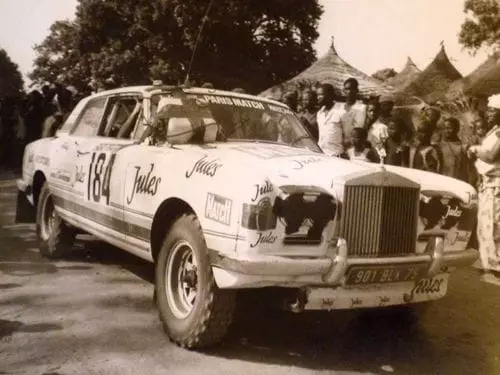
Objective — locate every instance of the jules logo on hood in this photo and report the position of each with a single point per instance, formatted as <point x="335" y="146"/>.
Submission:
<point x="301" y="163"/>
<point x="204" y="166"/>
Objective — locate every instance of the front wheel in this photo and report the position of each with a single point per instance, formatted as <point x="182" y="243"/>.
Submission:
<point x="55" y="236"/>
<point x="195" y="313"/>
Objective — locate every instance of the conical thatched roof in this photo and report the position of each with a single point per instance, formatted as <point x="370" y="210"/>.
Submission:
<point x="406" y="76"/>
<point x="331" y="68"/>
<point x="482" y="82"/>
<point x="435" y="80"/>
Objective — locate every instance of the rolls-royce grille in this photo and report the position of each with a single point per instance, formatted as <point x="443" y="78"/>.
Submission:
<point x="379" y="221"/>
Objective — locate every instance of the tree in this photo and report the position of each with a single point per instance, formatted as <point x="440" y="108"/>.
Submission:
<point x="11" y="80"/>
<point x="482" y="25"/>
<point x="384" y="74"/>
<point x="249" y="43"/>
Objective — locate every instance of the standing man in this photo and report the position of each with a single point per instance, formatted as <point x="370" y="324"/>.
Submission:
<point x="330" y="129"/>
<point x="353" y="111"/>
<point x="309" y="112"/>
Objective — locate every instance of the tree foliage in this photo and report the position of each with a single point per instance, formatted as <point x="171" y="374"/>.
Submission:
<point x="245" y="43"/>
<point x="482" y="25"/>
<point x="384" y="74"/>
<point x="11" y="80"/>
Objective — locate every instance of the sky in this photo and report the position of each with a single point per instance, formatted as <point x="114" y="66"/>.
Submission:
<point x="369" y="34"/>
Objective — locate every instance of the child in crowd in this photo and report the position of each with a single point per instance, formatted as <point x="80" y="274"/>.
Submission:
<point x="396" y="148"/>
<point x="423" y="155"/>
<point x="377" y="131"/>
<point x="453" y="153"/>
<point x="359" y="149"/>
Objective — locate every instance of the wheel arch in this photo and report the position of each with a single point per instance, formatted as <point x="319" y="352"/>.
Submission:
<point x="166" y="214"/>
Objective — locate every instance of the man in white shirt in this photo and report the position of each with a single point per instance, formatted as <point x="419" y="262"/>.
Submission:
<point x="353" y="111"/>
<point x="330" y="129"/>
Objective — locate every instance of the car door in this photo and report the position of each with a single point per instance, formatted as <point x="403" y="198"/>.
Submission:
<point x="65" y="176"/>
<point x="100" y="169"/>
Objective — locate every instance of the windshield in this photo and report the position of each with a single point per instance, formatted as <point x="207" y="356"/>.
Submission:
<point x="233" y="118"/>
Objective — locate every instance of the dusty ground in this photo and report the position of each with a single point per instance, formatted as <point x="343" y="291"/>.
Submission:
<point x="93" y="314"/>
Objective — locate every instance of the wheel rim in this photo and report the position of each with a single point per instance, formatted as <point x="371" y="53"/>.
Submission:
<point x="181" y="275"/>
<point x="48" y="218"/>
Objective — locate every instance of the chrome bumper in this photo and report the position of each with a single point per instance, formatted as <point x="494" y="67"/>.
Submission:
<point x="334" y="266"/>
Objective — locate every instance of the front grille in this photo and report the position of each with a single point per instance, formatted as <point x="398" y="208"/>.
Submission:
<point x="379" y="221"/>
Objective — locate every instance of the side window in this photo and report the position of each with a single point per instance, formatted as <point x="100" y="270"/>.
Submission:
<point x="121" y="116"/>
<point x="88" y="123"/>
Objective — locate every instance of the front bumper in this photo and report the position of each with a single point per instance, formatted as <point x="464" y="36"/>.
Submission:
<point x="265" y="270"/>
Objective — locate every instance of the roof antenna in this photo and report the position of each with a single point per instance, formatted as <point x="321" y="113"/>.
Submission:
<point x="205" y="18"/>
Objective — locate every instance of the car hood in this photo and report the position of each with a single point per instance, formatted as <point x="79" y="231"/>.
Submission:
<point x="285" y="165"/>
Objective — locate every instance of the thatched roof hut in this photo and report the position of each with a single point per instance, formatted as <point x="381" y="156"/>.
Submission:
<point x="484" y="81"/>
<point x="434" y="81"/>
<point x="331" y="68"/>
<point x="406" y="76"/>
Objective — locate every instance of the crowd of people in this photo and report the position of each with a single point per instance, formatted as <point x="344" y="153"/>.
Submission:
<point x="26" y="119"/>
<point x="369" y="130"/>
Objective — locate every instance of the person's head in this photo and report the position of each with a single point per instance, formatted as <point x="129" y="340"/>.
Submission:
<point x="309" y="100"/>
<point x="239" y="90"/>
<point x="326" y="95"/>
<point x="451" y="129"/>
<point x="479" y="125"/>
<point x="358" y="138"/>
<point x="395" y="128"/>
<point x="291" y="99"/>
<point x="386" y="105"/>
<point x="432" y="115"/>
<point x="372" y="111"/>
<point x="207" y="85"/>
<point x="351" y="89"/>
<point x="492" y="117"/>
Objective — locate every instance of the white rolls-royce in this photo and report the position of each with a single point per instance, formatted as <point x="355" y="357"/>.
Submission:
<point x="225" y="191"/>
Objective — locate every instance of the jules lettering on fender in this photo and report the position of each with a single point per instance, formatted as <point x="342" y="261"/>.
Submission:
<point x="144" y="184"/>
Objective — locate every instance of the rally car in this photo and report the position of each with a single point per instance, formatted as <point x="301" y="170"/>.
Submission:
<point x="225" y="191"/>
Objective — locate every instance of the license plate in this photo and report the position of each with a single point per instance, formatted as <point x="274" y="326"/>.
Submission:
<point x="363" y="275"/>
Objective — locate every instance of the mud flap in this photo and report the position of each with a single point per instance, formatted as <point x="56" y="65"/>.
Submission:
<point x="25" y="212"/>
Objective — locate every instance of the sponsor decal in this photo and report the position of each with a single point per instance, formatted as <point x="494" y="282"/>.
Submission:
<point x="258" y="216"/>
<point x="237" y="102"/>
<point x="299" y="164"/>
<point x="61" y="175"/>
<point x="205" y="167"/>
<point x="383" y="300"/>
<point x="30" y="158"/>
<point x="262" y="190"/>
<point x="79" y="174"/>
<point x="356" y="302"/>
<point x="453" y="212"/>
<point x="144" y="184"/>
<point x="264" y="238"/>
<point x="218" y="208"/>
<point x="426" y="286"/>
<point x="327" y="302"/>
<point x="80" y="153"/>
<point x="42" y="160"/>
<point x="113" y="147"/>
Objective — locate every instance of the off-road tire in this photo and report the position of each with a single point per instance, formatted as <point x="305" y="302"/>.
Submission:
<point x="212" y="310"/>
<point x="61" y="237"/>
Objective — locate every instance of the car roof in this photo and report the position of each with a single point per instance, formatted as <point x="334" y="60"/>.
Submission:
<point x="148" y="90"/>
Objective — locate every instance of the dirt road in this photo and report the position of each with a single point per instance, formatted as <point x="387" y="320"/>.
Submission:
<point x="93" y="314"/>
